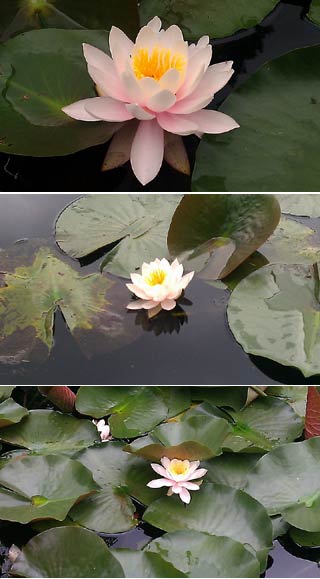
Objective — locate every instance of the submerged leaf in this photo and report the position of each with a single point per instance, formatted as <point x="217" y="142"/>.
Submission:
<point x="34" y="283"/>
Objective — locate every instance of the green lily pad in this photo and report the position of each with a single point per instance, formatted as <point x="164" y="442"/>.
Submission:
<point x="47" y="432"/>
<point x="265" y="423"/>
<point x="145" y="564"/>
<point x="34" y="284"/>
<point x="218" y="19"/>
<point x="298" y="502"/>
<point x="292" y="243"/>
<point x="67" y="552"/>
<point x="234" y="396"/>
<point x="139" y="223"/>
<point x="230" y="469"/>
<point x="17" y="17"/>
<point x="314" y="12"/>
<point x="201" y="555"/>
<point x="246" y="220"/>
<point x="303" y="538"/>
<point x="42" y="71"/>
<point x="296" y="396"/>
<point x="134" y="410"/>
<point x="275" y="313"/>
<point x="216" y="510"/>
<point x="42" y="487"/>
<point x="5" y="392"/>
<point x="305" y="205"/>
<point x="111" y="509"/>
<point x="275" y="148"/>
<point x="11" y="412"/>
<point x="194" y="438"/>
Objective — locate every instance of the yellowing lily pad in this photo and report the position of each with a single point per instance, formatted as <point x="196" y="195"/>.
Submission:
<point x="34" y="283"/>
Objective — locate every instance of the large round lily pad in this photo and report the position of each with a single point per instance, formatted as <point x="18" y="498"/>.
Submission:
<point x="275" y="148"/>
<point x="305" y="205"/>
<point x="314" y="12"/>
<point x="42" y="71"/>
<point x="286" y="481"/>
<point x="11" y="412"/>
<point x="138" y="223"/>
<point x="201" y="555"/>
<point x="42" y="487"/>
<point x="245" y="220"/>
<point x="67" y="552"/>
<point x="217" y="19"/>
<point x="234" y="396"/>
<point x="216" y="510"/>
<point x="275" y="313"/>
<point x="47" y="432"/>
<point x="145" y="564"/>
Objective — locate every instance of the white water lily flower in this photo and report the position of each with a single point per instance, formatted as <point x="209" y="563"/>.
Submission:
<point x="177" y="475"/>
<point x="162" y="82"/>
<point x="103" y="429"/>
<point x="159" y="285"/>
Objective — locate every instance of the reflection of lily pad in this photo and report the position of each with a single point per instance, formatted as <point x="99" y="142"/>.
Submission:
<point x="48" y="431"/>
<point x="245" y="220"/>
<point x="276" y="146"/>
<point x="216" y="510"/>
<point x="34" y="284"/>
<point x="217" y="19"/>
<point x="42" y="487"/>
<point x="275" y="313"/>
<point x="305" y="205"/>
<point x="299" y="501"/>
<point x="139" y="223"/>
<point x="205" y="556"/>
<point x="17" y="17"/>
<point x="67" y="552"/>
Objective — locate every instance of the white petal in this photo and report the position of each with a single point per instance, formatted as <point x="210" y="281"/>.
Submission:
<point x="120" y="47"/>
<point x="213" y="122"/>
<point x="139" y="113"/>
<point x="171" y="80"/>
<point x="168" y="304"/>
<point x="79" y="112"/>
<point x="148" y="86"/>
<point x="155" y="24"/>
<point x="108" y="109"/>
<point x="186" y="279"/>
<point x="132" y="87"/>
<point x="137" y="291"/>
<point x="147" y="151"/>
<point x="159" y="469"/>
<point x="159" y="482"/>
<point x="177" y="124"/>
<point x="189" y="485"/>
<point x="161" y="101"/>
<point x="136" y="305"/>
<point x="198" y="474"/>
<point x="185" y="496"/>
<point x="197" y="66"/>
<point x="165" y="461"/>
<point x="147" y="38"/>
<point x="107" y="84"/>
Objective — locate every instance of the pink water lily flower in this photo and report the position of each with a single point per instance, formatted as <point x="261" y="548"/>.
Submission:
<point x="103" y="429"/>
<point x="158" y="286"/>
<point x="162" y="82"/>
<point x="177" y="475"/>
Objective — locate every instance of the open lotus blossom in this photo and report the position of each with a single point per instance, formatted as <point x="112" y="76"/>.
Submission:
<point x="160" y="81"/>
<point x="158" y="286"/>
<point x="177" y="475"/>
<point x="103" y="429"/>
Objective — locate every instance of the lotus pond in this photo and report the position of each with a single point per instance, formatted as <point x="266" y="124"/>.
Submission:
<point x="263" y="77"/>
<point x="81" y="493"/>
<point x="253" y="300"/>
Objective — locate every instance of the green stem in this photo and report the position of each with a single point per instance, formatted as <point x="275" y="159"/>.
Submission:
<point x="258" y="390"/>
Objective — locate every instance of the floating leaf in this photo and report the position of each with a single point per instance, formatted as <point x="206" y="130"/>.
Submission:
<point x="230" y="469"/>
<point x="275" y="148"/>
<point x="42" y="487"/>
<point x="197" y="18"/>
<point x="111" y="509"/>
<point x="194" y="438"/>
<point x="304" y="205"/>
<point x="303" y="538"/>
<point x="297" y="464"/>
<point x="66" y="552"/>
<point x="216" y="510"/>
<point x="234" y="396"/>
<point x="296" y="396"/>
<point x="134" y="410"/>
<point x="34" y="283"/>
<point x="5" y="392"/>
<point x="11" y="412"/>
<point x="265" y="423"/>
<point x="17" y="17"/>
<point x="42" y="71"/>
<point x="275" y="313"/>
<point x="47" y="432"/>
<point x="145" y="564"/>
<point x="246" y="220"/>
<point x="292" y="243"/>
<point x="138" y="223"/>
<point x="314" y="12"/>
<point x="201" y="555"/>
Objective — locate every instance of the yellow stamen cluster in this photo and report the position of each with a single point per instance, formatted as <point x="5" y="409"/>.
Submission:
<point x="179" y="467"/>
<point x="156" y="277"/>
<point x="156" y="63"/>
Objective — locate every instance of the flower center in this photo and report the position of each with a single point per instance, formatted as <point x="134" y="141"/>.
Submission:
<point x="156" y="277"/>
<point x="178" y="467"/>
<point x="156" y="63"/>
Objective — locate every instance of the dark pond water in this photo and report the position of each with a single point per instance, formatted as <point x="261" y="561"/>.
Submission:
<point x="197" y="349"/>
<point x="282" y="31"/>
